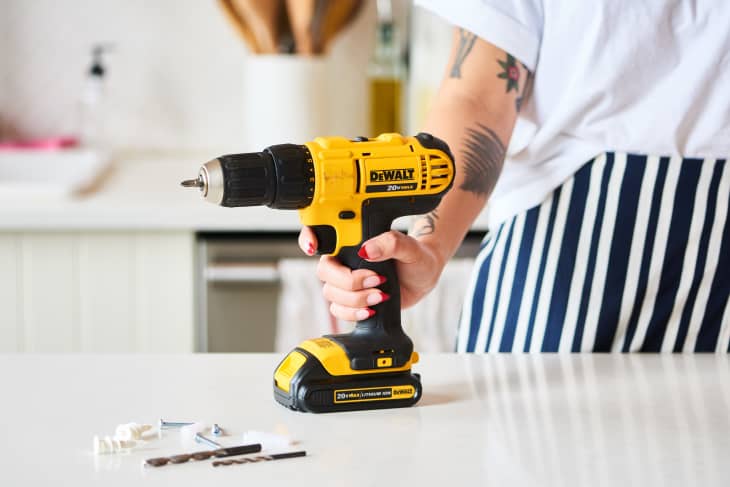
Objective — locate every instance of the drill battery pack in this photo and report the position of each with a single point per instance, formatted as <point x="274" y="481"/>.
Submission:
<point x="303" y="382"/>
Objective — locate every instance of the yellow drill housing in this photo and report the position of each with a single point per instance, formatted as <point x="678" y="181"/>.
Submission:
<point x="349" y="173"/>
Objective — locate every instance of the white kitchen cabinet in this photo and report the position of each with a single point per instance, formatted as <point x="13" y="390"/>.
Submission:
<point x="97" y="291"/>
<point x="49" y="292"/>
<point x="9" y="294"/>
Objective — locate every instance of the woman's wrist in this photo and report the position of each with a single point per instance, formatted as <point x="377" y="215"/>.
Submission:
<point x="425" y="232"/>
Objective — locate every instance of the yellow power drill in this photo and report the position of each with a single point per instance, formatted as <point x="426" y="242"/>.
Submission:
<point x="347" y="191"/>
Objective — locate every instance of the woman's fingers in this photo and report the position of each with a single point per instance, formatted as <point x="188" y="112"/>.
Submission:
<point x="391" y="245"/>
<point x="331" y="271"/>
<point x="307" y="241"/>
<point x="350" y="314"/>
<point x="354" y="299"/>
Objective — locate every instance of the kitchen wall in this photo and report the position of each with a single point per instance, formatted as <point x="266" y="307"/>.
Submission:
<point x="4" y="75"/>
<point x="176" y="76"/>
<point x="430" y="45"/>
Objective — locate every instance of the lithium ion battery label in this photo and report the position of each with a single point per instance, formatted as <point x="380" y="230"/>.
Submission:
<point x="374" y="394"/>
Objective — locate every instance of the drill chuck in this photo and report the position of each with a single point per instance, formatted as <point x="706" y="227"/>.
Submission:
<point x="281" y="177"/>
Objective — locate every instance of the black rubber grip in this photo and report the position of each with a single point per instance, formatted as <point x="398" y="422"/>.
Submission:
<point x="382" y="331"/>
<point x="248" y="179"/>
<point x="294" y="170"/>
<point x="281" y="177"/>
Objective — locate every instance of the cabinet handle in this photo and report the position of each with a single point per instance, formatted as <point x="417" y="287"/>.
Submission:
<point x="238" y="272"/>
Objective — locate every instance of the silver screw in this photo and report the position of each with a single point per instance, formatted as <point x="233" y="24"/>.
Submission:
<point x="216" y="430"/>
<point x="202" y="439"/>
<point x="166" y="425"/>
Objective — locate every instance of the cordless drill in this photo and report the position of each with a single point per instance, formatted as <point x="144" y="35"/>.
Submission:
<point x="347" y="191"/>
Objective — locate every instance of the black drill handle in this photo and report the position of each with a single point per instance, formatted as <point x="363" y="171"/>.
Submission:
<point x="381" y="334"/>
<point x="386" y="320"/>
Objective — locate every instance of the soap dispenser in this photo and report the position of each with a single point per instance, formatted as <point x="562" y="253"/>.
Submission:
<point x="91" y="123"/>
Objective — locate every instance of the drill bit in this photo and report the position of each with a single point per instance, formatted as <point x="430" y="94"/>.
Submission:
<point x="192" y="183"/>
<point x="259" y="458"/>
<point x="204" y="455"/>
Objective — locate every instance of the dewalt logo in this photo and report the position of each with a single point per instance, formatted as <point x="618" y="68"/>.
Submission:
<point x="404" y="391"/>
<point x="385" y="175"/>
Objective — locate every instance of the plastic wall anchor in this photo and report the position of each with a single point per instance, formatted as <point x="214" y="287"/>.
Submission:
<point x="111" y="445"/>
<point x="131" y="431"/>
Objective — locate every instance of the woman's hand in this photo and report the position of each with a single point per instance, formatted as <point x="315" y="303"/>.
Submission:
<point x="352" y="292"/>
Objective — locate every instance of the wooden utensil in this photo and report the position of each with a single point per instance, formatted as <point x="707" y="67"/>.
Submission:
<point x="258" y="21"/>
<point x="263" y="18"/>
<point x="239" y="23"/>
<point x="301" y="15"/>
<point x="336" y="16"/>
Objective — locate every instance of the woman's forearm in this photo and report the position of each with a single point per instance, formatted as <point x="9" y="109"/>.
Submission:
<point x="474" y="112"/>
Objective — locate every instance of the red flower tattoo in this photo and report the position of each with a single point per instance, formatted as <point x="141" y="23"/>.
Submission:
<point x="511" y="73"/>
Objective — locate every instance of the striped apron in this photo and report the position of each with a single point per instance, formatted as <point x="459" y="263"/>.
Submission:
<point x="632" y="253"/>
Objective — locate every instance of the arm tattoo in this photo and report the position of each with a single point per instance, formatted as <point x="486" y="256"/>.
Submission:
<point x="466" y="42"/>
<point x="483" y="159"/>
<point x="511" y="73"/>
<point x="429" y="224"/>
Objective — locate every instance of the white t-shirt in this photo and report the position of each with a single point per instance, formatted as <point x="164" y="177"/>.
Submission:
<point x="648" y="77"/>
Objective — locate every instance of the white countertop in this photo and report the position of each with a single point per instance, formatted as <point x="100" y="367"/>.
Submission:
<point x="483" y="420"/>
<point x="144" y="193"/>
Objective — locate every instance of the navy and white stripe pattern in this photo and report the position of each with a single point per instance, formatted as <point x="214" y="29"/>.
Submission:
<point x="630" y="254"/>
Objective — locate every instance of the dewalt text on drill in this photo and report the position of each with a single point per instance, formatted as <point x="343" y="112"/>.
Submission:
<point x="347" y="191"/>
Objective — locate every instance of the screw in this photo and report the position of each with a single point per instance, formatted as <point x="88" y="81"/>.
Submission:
<point x="202" y="439"/>
<point x="165" y="425"/>
<point x="216" y="430"/>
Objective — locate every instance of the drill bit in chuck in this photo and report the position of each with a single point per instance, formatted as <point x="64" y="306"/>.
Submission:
<point x="193" y="183"/>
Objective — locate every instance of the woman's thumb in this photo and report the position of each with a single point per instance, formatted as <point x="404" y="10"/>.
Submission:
<point x="390" y="245"/>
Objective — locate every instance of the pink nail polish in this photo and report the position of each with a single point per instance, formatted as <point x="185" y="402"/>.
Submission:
<point x="384" y="296"/>
<point x="310" y="249"/>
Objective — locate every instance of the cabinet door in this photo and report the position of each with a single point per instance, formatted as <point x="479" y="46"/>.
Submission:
<point x="164" y="292"/>
<point x="10" y="323"/>
<point x="97" y="292"/>
<point x="49" y="292"/>
<point x="136" y="292"/>
<point x="106" y="292"/>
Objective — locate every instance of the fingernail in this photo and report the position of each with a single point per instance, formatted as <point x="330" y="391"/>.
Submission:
<point x="363" y="314"/>
<point x="310" y="249"/>
<point x="379" y="297"/>
<point x="362" y="253"/>
<point x="373" y="252"/>
<point x="372" y="281"/>
<point x="374" y="298"/>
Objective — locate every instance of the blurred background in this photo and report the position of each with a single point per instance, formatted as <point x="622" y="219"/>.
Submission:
<point x="106" y="105"/>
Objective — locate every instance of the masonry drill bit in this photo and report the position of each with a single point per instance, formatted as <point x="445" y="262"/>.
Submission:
<point x="259" y="458"/>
